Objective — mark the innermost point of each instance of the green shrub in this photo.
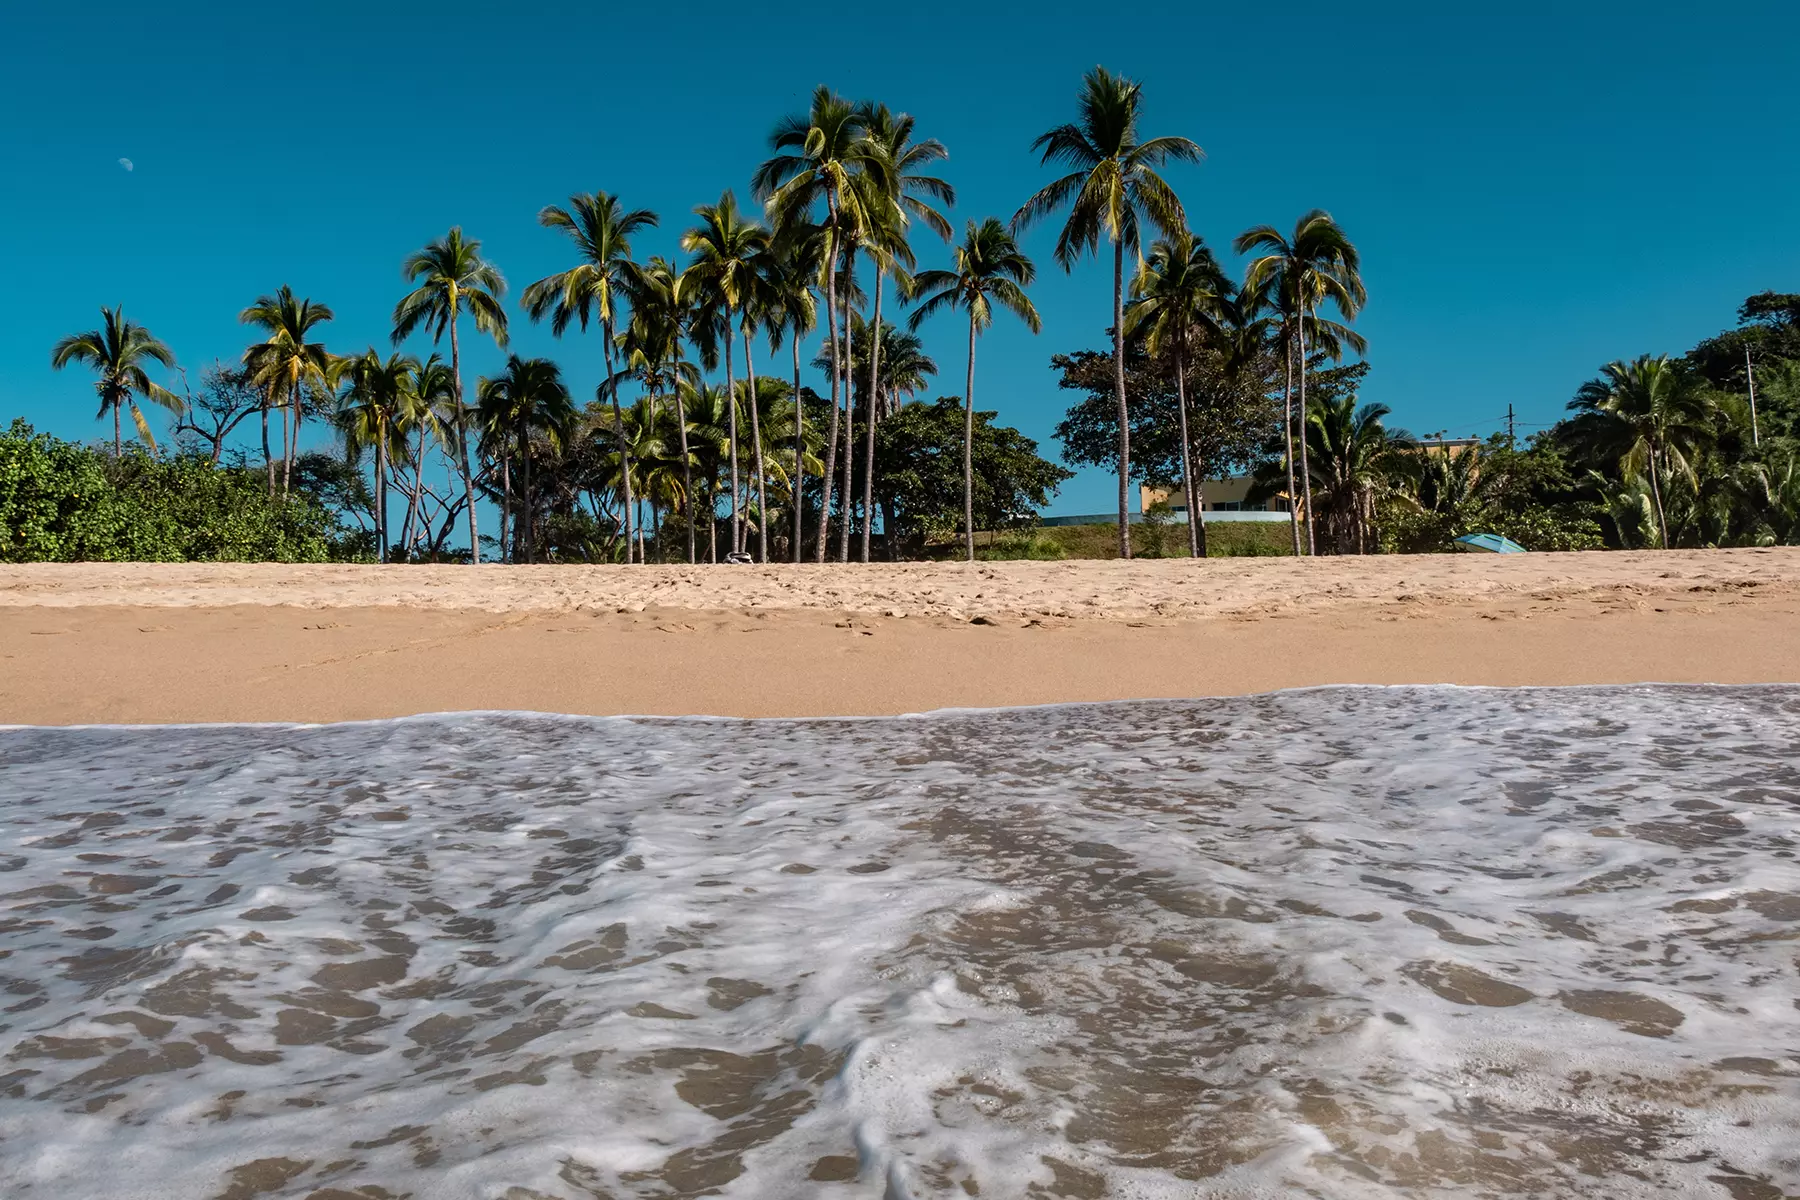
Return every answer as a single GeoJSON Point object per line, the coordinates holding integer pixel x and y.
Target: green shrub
{"type": "Point", "coordinates": [63, 502]}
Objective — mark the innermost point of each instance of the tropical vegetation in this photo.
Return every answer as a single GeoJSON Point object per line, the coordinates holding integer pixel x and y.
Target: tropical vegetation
{"type": "Point", "coordinates": [694, 441]}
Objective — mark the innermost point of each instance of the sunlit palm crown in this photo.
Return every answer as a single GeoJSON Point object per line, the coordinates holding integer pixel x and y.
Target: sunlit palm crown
{"type": "Point", "coordinates": [989, 269]}
{"type": "Point", "coordinates": [601, 229]}
{"type": "Point", "coordinates": [1297, 275]}
{"type": "Point", "coordinates": [728, 277]}
{"type": "Point", "coordinates": [529, 396]}
{"type": "Point", "coordinates": [118, 351]}
{"type": "Point", "coordinates": [1180, 290]}
{"type": "Point", "coordinates": [450, 278]}
{"type": "Point", "coordinates": [824, 160]}
{"type": "Point", "coordinates": [661, 303]}
{"type": "Point", "coordinates": [286, 361]}
{"type": "Point", "coordinates": [1654, 406]}
{"type": "Point", "coordinates": [1112, 177]}
{"type": "Point", "coordinates": [380, 404]}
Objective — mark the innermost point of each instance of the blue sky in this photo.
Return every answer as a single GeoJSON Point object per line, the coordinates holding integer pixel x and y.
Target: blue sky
{"type": "Point", "coordinates": [1536, 188]}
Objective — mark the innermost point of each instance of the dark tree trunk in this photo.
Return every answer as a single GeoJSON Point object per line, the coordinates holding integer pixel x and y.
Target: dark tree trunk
{"type": "Point", "coordinates": [1305, 464]}
{"type": "Point", "coordinates": [799, 480]}
{"type": "Point", "coordinates": [1187, 455]}
{"type": "Point", "coordinates": [1287, 429]}
{"type": "Point", "coordinates": [831, 438]}
{"type": "Point", "coordinates": [462, 444]}
{"type": "Point", "coordinates": [1119, 391]}
{"type": "Point", "coordinates": [969, 449]}
{"type": "Point", "coordinates": [849, 501]}
{"type": "Point", "coordinates": [873, 407]}
{"type": "Point", "coordinates": [756, 446]}
{"type": "Point", "coordinates": [731, 423]}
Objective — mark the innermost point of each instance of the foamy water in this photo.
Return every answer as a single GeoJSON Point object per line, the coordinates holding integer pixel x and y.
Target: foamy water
{"type": "Point", "coordinates": [1419, 942]}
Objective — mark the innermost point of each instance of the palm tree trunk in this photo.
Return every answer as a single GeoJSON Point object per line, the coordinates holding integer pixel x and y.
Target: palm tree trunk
{"type": "Point", "coordinates": [268, 457]}
{"type": "Point", "coordinates": [1662, 522]}
{"type": "Point", "coordinates": [799, 480]}
{"type": "Point", "coordinates": [849, 501]}
{"type": "Point", "coordinates": [1305, 465]}
{"type": "Point", "coordinates": [293, 447]}
{"type": "Point", "coordinates": [1119, 391]}
{"type": "Point", "coordinates": [412, 502]}
{"type": "Point", "coordinates": [462, 444]}
{"type": "Point", "coordinates": [612, 387]}
{"type": "Point", "coordinates": [530, 504]}
{"type": "Point", "coordinates": [969, 449]}
{"type": "Point", "coordinates": [381, 540]}
{"type": "Point", "coordinates": [874, 405]}
{"type": "Point", "coordinates": [1287, 430]}
{"type": "Point", "coordinates": [762, 497]}
{"type": "Point", "coordinates": [687, 470]}
{"type": "Point", "coordinates": [1187, 457]}
{"type": "Point", "coordinates": [831, 438]}
{"type": "Point", "coordinates": [119, 439]}
{"type": "Point", "coordinates": [506, 545]}
{"type": "Point", "coordinates": [731, 438]}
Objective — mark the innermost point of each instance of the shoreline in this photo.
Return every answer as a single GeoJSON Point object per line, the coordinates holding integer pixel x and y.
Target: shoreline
{"type": "Point", "coordinates": [152, 644]}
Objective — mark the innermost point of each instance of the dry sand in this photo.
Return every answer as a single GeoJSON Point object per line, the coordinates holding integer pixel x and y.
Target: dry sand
{"type": "Point", "coordinates": [181, 642]}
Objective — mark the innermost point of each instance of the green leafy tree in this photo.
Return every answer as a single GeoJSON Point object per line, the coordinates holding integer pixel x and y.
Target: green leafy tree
{"type": "Point", "coordinates": [1296, 276]}
{"type": "Point", "coordinates": [118, 351]}
{"type": "Point", "coordinates": [661, 309]}
{"type": "Point", "coordinates": [601, 229]}
{"type": "Point", "coordinates": [451, 278]}
{"type": "Point", "coordinates": [1112, 187]}
{"type": "Point", "coordinates": [790, 313]}
{"type": "Point", "coordinates": [989, 269]}
{"type": "Point", "coordinates": [919, 465]}
{"type": "Point", "coordinates": [1179, 289]}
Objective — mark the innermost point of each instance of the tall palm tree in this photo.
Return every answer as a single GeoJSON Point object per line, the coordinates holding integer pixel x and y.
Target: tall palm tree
{"type": "Point", "coordinates": [429, 397]}
{"type": "Point", "coordinates": [528, 398]}
{"type": "Point", "coordinates": [373, 412]}
{"type": "Point", "coordinates": [791, 313]}
{"type": "Point", "coordinates": [1298, 275]}
{"type": "Point", "coordinates": [118, 350]}
{"type": "Point", "coordinates": [1659, 419]}
{"type": "Point", "coordinates": [824, 159]}
{"type": "Point", "coordinates": [1113, 186]}
{"type": "Point", "coordinates": [451, 278]}
{"type": "Point", "coordinates": [601, 229]}
{"type": "Point", "coordinates": [902, 369]}
{"type": "Point", "coordinates": [911, 193]}
{"type": "Point", "coordinates": [1179, 289]}
{"type": "Point", "coordinates": [284, 364]}
{"type": "Point", "coordinates": [728, 258]}
{"type": "Point", "coordinates": [989, 269]}
{"type": "Point", "coordinates": [661, 311]}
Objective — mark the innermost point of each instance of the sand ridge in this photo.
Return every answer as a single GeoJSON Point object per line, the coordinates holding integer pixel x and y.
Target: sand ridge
{"type": "Point", "coordinates": [1168, 588]}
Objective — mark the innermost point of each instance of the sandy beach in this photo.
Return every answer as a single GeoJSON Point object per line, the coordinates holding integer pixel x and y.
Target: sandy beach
{"type": "Point", "coordinates": [154, 643]}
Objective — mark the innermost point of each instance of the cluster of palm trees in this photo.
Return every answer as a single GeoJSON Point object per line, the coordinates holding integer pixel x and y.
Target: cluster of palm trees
{"type": "Point", "coordinates": [844, 188]}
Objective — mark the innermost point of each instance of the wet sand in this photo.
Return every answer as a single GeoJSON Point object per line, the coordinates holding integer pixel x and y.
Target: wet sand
{"type": "Point", "coordinates": [152, 643]}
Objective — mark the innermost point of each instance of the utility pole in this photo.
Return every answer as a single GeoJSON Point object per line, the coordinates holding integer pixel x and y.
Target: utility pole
{"type": "Point", "coordinates": [1750, 378]}
{"type": "Point", "coordinates": [1512, 435]}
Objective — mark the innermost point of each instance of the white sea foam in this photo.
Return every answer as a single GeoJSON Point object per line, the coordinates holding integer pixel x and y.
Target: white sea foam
{"type": "Point", "coordinates": [1421, 942]}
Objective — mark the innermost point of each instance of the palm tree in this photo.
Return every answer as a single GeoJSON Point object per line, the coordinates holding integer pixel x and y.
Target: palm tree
{"type": "Point", "coordinates": [661, 308]}
{"type": "Point", "coordinates": [728, 255]}
{"type": "Point", "coordinates": [602, 230]}
{"type": "Point", "coordinates": [791, 313]}
{"type": "Point", "coordinates": [1297, 275]}
{"type": "Point", "coordinates": [1179, 288]}
{"type": "Point", "coordinates": [373, 413]}
{"type": "Point", "coordinates": [910, 193]}
{"type": "Point", "coordinates": [1113, 186]}
{"type": "Point", "coordinates": [284, 364]}
{"type": "Point", "coordinates": [1356, 462]}
{"type": "Point", "coordinates": [528, 398]}
{"type": "Point", "coordinates": [989, 269]}
{"type": "Point", "coordinates": [824, 158]}
{"type": "Point", "coordinates": [118, 350]}
{"type": "Point", "coordinates": [451, 277]}
{"type": "Point", "coordinates": [903, 367]}
{"type": "Point", "coordinates": [1659, 419]}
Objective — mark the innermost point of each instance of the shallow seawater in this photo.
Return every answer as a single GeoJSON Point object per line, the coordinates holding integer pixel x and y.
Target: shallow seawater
{"type": "Point", "coordinates": [1348, 942]}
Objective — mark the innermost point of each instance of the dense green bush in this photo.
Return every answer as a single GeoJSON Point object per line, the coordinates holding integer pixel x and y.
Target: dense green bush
{"type": "Point", "coordinates": [63, 502]}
